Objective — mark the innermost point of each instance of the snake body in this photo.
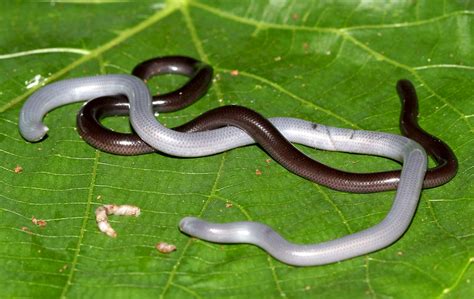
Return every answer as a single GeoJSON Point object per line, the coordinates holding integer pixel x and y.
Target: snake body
{"type": "Point", "coordinates": [191, 144]}
{"type": "Point", "coordinates": [210, 142]}
{"type": "Point", "coordinates": [258, 127]}
{"type": "Point", "coordinates": [446, 162]}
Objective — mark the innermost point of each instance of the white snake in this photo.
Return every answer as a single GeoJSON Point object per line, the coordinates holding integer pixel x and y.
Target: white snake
{"type": "Point", "coordinates": [215, 141]}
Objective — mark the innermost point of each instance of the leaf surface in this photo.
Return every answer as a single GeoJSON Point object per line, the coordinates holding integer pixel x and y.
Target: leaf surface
{"type": "Point", "coordinates": [335, 64]}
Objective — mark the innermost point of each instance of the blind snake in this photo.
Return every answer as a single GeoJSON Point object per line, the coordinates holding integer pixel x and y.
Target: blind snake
{"type": "Point", "coordinates": [178, 143]}
{"type": "Point", "coordinates": [390, 229]}
{"type": "Point", "coordinates": [209, 142]}
{"type": "Point", "coordinates": [265, 134]}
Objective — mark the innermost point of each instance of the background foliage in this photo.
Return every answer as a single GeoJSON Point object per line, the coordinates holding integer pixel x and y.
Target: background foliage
{"type": "Point", "coordinates": [333, 63]}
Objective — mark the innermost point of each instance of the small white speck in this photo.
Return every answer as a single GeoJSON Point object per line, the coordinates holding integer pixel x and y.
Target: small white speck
{"type": "Point", "coordinates": [37, 80]}
{"type": "Point", "coordinates": [328, 52]}
{"type": "Point", "coordinates": [429, 59]}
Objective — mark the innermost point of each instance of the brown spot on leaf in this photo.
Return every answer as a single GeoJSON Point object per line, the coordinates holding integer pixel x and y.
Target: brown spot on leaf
{"type": "Point", "coordinates": [38, 222]}
{"type": "Point", "coordinates": [18, 169]}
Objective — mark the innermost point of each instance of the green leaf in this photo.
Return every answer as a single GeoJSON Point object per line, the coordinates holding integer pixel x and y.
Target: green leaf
{"type": "Point", "coordinates": [332, 63]}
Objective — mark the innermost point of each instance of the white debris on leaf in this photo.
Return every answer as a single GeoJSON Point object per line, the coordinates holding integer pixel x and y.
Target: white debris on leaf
{"type": "Point", "coordinates": [102, 220]}
{"type": "Point", "coordinates": [164, 247]}
{"type": "Point", "coordinates": [126, 210]}
{"type": "Point", "coordinates": [158, 6]}
{"type": "Point", "coordinates": [37, 80]}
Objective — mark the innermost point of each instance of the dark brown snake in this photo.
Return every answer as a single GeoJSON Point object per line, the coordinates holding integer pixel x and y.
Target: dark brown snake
{"type": "Point", "coordinates": [258, 127]}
